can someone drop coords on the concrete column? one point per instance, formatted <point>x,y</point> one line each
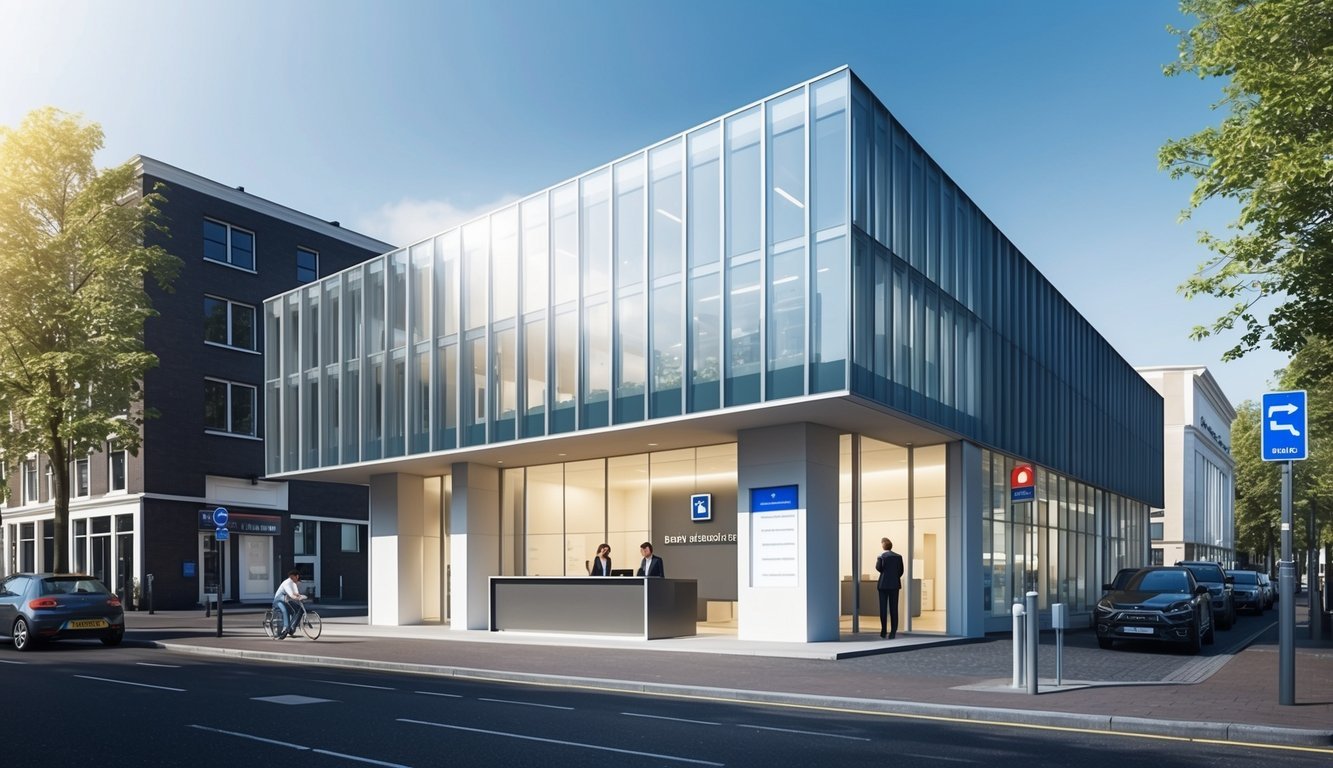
<point>964,564</point>
<point>474,543</point>
<point>804,455</point>
<point>397,539</point>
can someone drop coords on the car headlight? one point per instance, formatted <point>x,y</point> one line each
<point>1104,607</point>
<point>1177,609</point>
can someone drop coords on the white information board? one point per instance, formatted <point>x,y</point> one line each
<point>775,548</point>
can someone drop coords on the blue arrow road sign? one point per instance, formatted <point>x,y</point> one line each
<point>1282,427</point>
<point>220,517</point>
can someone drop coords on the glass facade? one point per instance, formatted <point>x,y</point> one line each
<point>802,245</point>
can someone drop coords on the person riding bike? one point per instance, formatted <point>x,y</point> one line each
<point>289,590</point>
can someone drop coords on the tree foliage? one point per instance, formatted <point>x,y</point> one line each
<point>1273,156</point>
<point>73,298</point>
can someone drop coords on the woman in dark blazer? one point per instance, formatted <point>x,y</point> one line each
<point>601,564</point>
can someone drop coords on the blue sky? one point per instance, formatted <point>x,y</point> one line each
<point>402,118</point>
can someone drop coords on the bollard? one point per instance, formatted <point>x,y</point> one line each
<point>1031,639</point>
<point>1059,620</point>
<point>150,594</point>
<point>1018,645</point>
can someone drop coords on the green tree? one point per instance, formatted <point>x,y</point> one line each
<point>1257,488</point>
<point>1311,369</point>
<point>73,299</point>
<point>1273,156</point>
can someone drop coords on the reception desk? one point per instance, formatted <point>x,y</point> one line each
<point>628,606</point>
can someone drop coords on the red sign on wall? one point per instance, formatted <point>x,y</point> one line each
<point>1021,481</point>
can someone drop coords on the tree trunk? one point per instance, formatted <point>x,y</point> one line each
<point>59,457</point>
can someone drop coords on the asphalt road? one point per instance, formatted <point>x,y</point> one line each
<point>79,703</point>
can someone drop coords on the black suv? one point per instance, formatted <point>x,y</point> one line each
<point>1162,604</point>
<point>1219,587</point>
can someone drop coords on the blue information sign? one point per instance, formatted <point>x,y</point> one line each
<point>1282,426</point>
<point>775,498</point>
<point>701,507</point>
<point>220,517</point>
<point>222,534</point>
<point>1022,493</point>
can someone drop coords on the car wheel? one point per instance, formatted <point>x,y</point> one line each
<point>114,638</point>
<point>1226,621</point>
<point>1105,643</point>
<point>1195,643</point>
<point>1210,636</point>
<point>22,634</point>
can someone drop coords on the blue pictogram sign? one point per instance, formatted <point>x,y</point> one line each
<point>1282,426</point>
<point>701,507</point>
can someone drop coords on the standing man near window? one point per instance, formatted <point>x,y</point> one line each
<point>652,564</point>
<point>890,567</point>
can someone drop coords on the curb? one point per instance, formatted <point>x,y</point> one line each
<point>1238,733</point>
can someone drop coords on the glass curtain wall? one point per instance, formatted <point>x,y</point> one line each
<point>709,269</point>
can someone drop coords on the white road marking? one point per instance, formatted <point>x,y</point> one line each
<point>937,757</point>
<point>358,759</point>
<point>433,693</point>
<point>356,685</point>
<point>274,742</point>
<point>803,733</point>
<point>526,704</point>
<point>8,661</point>
<point>299,747</point>
<point>639,753</point>
<point>127,682</point>
<point>165,666</point>
<point>663,717</point>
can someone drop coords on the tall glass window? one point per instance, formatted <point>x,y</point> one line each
<point>596,366</point>
<point>419,392</point>
<point>535,269</point>
<point>476,257</point>
<point>446,398</point>
<point>504,264</point>
<point>595,232</point>
<point>505,353</point>
<point>705,392</point>
<point>786,324</point>
<point>375,306</point>
<point>422,256</point>
<point>398,299</point>
<point>665,209</point>
<point>786,167</point>
<point>668,351</point>
<point>534,366</point>
<point>565,365</point>
<point>475,392</point>
<point>629,221</point>
<point>743,348</point>
<point>704,190</point>
<point>631,368</point>
<point>565,241</point>
<point>828,337</point>
<point>828,153</point>
<point>744,168</point>
<point>446,283</point>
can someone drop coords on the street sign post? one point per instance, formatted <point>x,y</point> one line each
<point>220,518</point>
<point>1283,437</point>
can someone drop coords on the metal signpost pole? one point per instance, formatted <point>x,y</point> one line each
<point>1286,575</point>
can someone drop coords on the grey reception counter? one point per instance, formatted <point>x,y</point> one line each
<point>629,606</point>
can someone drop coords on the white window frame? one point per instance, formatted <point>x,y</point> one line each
<point>29,470</point>
<point>302,249</point>
<point>79,489</point>
<point>254,409</point>
<point>254,242</point>
<point>113,449</point>
<point>231,313</point>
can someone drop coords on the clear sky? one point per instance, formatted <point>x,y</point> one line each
<point>401,118</point>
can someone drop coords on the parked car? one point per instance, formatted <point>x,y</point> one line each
<point>1246,591</point>
<point>1219,587</point>
<point>36,607</point>
<point>1270,591</point>
<point>1165,604</point>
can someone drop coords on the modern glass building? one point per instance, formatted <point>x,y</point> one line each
<point>791,297</point>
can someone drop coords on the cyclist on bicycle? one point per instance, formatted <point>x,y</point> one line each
<point>289,590</point>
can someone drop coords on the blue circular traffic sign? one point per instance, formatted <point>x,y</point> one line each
<point>220,517</point>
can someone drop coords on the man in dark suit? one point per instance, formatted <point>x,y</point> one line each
<point>601,564</point>
<point>890,567</point>
<point>652,564</point>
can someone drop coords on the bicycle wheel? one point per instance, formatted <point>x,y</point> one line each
<point>311,625</point>
<point>270,627</point>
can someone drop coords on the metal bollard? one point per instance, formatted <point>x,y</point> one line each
<point>1059,620</point>
<point>1033,636</point>
<point>1018,645</point>
<point>150,594</point>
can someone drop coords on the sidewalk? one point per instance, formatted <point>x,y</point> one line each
<point>1223,697</point>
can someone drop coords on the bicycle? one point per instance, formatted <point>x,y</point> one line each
<point>309,622</point>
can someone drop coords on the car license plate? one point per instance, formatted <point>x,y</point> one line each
<point>1139,630</point>
<point>88,624</point>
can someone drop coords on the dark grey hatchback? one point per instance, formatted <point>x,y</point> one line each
<point>1164,604</point>
<point>50,606</point>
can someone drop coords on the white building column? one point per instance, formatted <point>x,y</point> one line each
<point>804,607</point>
<point>397,541</point>
<point>474,543</point>
<point>964,564</point>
